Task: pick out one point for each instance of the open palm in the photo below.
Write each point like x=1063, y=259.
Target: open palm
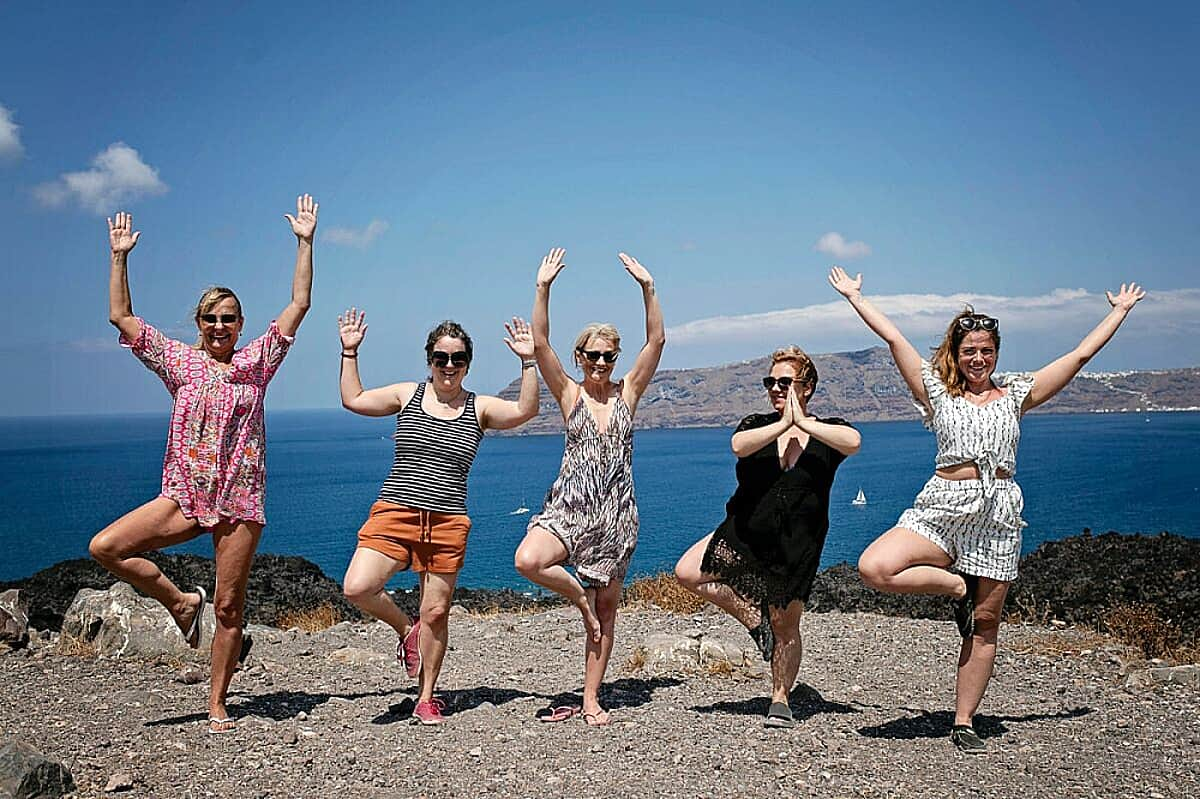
x=633, y=267
x=552, y=264
x=352, y=327
x=520, y=338
x=304, y=223
x=844, y=284
x=121, y=235
x=1127, y=297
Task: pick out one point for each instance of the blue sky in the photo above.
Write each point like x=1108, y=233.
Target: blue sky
x=1026, y=156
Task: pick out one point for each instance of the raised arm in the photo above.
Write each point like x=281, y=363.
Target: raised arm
x=352, y=327
x=644, y=366
x=1052, y=378
x=557, y=380
x=304, y=224
x=907, y=359
x=500, y=414
x=121, y=240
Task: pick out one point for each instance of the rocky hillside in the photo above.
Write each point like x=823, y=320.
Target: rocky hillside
x=863, y=386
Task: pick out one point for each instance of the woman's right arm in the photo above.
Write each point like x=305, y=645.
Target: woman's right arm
x=907, y=359
x=382, y=401
x=122, y=239
x=558, y=382
x=748, y=442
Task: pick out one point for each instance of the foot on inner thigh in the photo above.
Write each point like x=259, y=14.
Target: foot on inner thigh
x=188, y=613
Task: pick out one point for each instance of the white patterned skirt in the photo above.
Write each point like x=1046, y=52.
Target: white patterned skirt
x=981, y=532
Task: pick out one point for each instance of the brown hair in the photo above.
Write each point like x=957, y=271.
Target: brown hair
x=208, y=300
x=945, y=357
x=453, y=330
x=806, y=370
x=595, y=329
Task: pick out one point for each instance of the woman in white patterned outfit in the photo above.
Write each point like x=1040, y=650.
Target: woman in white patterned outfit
x=590, y=518
x=968, y=516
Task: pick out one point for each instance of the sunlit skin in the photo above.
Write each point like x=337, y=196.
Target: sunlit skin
x=219, y=339
x=977, y=360
x=447, y=380
x=596, y=376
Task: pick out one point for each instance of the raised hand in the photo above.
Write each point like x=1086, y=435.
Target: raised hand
x=352, y=327
x=798, y=414
x=304, y=223
x=843, y=284
x=121, y=235
x=1127, y=297
x=639, y=272
x=552, y=264
x=520, y=338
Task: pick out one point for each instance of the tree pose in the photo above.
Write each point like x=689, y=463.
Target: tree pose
x=214, y=472
x=962, y=537
x=420, y=519
x=590, y=519
x=759, y=564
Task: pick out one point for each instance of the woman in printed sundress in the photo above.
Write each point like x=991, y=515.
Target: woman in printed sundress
x=214, y=474
x=590, y=518
x=962, y=537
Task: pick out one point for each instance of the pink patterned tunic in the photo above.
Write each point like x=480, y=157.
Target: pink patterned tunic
x=215, y=464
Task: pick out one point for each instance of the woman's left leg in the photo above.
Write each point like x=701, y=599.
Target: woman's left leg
x=978, y=652
x=234, y=544
x=437, y=589
x=785, y=662
x=606, y=599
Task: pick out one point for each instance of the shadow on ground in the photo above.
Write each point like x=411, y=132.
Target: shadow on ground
x=277, y=705
x=936, y=724
x=805, y=702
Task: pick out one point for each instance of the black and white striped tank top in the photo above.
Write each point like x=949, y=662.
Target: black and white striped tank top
x=433, y=457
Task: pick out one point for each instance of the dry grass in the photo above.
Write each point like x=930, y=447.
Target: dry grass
x=71, y=646
x=1143, y=628
x=312, y=620
x=1060, y=643
x=664, y=591
x=637, y=661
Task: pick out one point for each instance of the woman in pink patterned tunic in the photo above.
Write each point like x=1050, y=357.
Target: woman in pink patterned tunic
x=214, y=469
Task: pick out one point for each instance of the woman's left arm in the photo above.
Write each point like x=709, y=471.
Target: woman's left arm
x=646, y=363
x=500, y=414
x=1053, y=378
x=304, y=224
x=842, y=437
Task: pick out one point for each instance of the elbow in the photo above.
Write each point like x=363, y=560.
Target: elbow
x=853, y=448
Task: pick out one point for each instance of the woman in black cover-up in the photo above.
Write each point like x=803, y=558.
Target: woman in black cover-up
x=759, y=564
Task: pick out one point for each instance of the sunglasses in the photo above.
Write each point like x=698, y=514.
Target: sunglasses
x=440, y=359
x=783, y=382
x=225, y=318
x=595, y=356
x=978, y=322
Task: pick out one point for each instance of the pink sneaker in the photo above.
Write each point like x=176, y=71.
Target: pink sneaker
x=429, y=713
x=409, y=651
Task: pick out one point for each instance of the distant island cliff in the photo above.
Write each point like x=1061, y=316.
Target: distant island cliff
x=864, y=386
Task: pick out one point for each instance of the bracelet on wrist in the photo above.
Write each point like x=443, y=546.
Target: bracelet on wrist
x=528, y=364
x=349, y=354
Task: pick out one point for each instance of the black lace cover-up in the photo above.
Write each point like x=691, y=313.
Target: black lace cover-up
x=769, y=545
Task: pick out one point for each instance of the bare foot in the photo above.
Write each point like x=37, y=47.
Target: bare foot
x=591, y=622
x=597, y=718
x=189, y=618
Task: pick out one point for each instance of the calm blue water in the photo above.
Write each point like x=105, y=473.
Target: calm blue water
x=63, y=479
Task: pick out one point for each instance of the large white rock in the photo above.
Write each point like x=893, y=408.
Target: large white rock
x=670, y=652
x=121, y=624
x=736, y=651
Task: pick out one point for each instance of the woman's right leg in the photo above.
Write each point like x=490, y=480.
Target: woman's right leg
x=363, y=587
x=156, y=525
x=690, y=575
x=539, y=559
x=904, y=562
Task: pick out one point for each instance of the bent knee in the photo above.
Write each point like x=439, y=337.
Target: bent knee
x=987, y=624
x=357, y=591
x=527, y=562
x=874, y=570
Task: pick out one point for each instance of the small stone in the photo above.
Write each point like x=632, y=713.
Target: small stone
x=118, y=782
x=476, y=752
x=301, y=716
x=290, y=737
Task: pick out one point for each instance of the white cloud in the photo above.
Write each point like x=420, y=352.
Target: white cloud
x=833, y=244
x=10, y=138
x=925, y=315
x=356, y=237
x=118, y=176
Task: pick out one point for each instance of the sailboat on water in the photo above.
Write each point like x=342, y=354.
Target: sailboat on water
x=861, y=499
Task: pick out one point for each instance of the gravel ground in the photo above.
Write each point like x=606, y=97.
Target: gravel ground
x=873, y=712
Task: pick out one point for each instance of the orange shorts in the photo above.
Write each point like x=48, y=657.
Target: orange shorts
x=423, y=540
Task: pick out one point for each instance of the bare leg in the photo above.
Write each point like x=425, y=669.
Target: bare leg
x=597, y=653
x=436, y=593
x=364, y=587
x=539, y=559
x=785, y=663
x=708, y=587
x=156, y=525
x=978, y=652
x=903, y=562
x=233, y=546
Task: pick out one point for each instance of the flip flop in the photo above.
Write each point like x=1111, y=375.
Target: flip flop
x=194, y=632
x=218, y=730
x=560, y=713
x=600, y=718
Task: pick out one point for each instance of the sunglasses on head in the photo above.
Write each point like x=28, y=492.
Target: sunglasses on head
x=441, y=359
x=783, y=382
x=595, y=356
x=225, y=318
x=978, y=322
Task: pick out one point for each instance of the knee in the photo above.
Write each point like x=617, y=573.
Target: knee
x=873, y=570
x=435, y=614
x=527, y=562
x=606, y=608
x=685, y=574
x=987, y=625
x=357, y=590
x=228, y=610
x=102, y=550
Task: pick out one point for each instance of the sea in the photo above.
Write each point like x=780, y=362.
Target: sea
x=64, y=478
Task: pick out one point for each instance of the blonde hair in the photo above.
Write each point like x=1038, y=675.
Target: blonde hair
x=945, y=357
x=595, y=330
x=806, y=370
x=209, y=300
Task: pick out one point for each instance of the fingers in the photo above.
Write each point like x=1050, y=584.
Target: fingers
x=352, y=318
x=291, y=219
x=134, y=238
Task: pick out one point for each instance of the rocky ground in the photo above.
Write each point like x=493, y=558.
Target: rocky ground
x=327, y=714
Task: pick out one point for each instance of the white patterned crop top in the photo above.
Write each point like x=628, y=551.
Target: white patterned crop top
x=986, y=434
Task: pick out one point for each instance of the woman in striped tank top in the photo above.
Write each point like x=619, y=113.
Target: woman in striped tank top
x=420, y=519
x=590, y=518
x=962, y=537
